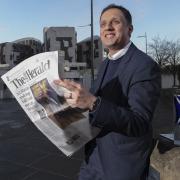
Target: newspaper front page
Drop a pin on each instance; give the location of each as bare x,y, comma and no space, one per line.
31,83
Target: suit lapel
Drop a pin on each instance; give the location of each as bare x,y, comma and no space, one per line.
125,59
103,69
100,76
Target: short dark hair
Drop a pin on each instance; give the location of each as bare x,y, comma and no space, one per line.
125,12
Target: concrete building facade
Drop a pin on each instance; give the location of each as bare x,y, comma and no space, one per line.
13,54
72,64
84,52
34,43
64,40
4,91
61,38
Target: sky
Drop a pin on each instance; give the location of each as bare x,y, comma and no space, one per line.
27,18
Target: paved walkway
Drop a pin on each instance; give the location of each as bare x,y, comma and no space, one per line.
26,154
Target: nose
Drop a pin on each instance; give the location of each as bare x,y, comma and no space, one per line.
109,26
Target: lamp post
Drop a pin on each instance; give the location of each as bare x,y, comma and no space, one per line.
92,44
144,36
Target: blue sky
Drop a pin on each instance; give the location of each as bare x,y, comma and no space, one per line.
26,18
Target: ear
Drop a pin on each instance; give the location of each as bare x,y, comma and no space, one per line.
130,30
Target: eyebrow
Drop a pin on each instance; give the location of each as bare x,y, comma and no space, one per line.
114,18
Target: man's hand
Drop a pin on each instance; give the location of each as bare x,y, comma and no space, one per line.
78,96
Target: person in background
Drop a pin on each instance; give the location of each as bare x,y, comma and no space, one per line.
121,103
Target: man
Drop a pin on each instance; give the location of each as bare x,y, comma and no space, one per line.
121,103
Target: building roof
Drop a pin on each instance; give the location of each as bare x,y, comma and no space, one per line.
26,38
89,39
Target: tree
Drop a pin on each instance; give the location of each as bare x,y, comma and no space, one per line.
174,59
167,55
160,50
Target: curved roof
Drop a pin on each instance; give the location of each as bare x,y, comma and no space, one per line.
89,39
27,38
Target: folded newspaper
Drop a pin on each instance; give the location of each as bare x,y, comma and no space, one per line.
31,83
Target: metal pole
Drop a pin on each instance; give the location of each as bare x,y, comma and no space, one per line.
144,36
146,41
92,44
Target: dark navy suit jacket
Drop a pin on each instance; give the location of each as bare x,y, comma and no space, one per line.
122,149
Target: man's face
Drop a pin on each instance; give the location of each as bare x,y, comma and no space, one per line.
115,31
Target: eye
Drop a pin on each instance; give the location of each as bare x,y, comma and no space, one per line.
102,24
115,22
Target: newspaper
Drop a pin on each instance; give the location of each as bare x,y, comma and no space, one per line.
31,83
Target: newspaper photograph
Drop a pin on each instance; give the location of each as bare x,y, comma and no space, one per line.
31,83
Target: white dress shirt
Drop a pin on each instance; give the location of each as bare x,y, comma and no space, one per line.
120,53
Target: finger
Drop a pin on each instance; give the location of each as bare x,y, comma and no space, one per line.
72,103
68,95
75,84
57,81
64,84
71,83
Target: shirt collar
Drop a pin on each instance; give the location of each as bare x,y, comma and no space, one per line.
120,53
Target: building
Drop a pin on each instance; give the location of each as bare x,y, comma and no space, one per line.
61,38
12,53
84,52
4,91
64,40
76,71
34,43
167,81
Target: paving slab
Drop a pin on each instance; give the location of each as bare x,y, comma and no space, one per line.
26,154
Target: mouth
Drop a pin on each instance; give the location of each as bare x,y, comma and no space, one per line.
110,35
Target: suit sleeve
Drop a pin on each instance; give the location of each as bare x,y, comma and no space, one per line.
143,95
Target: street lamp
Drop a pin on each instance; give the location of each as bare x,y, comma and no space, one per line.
92,42
85,25
144,36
